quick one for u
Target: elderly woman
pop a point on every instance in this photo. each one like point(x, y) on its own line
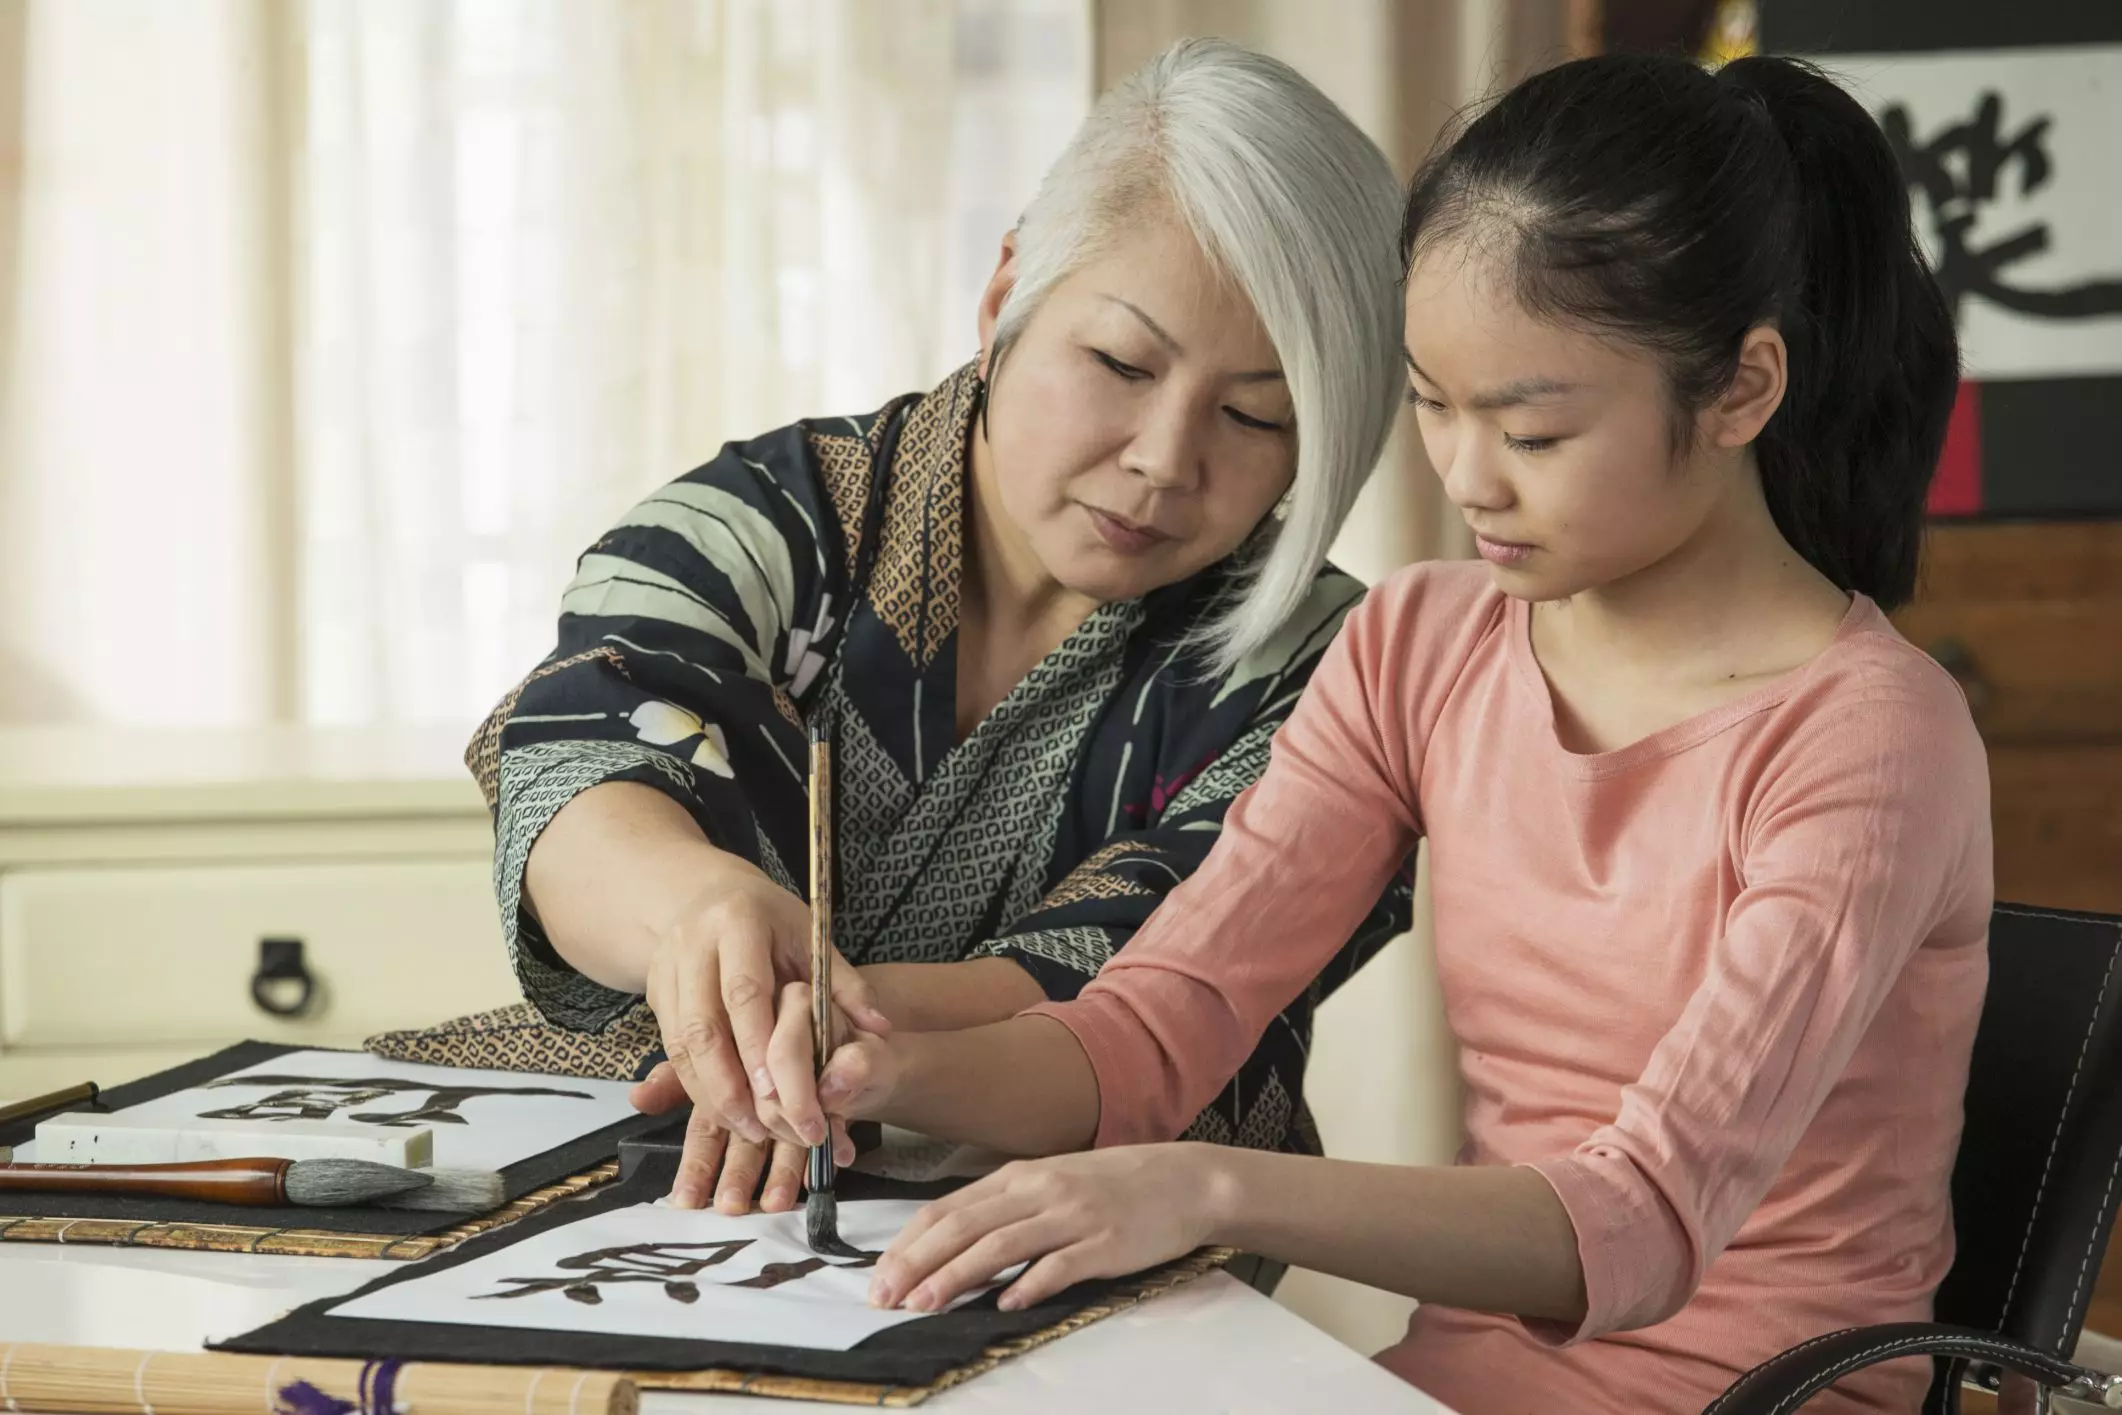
point(1057, 607)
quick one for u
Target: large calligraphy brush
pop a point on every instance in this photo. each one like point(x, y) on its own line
point(268, 1183)
point(821, 1210)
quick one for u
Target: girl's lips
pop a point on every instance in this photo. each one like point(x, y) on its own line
point(1502, 552)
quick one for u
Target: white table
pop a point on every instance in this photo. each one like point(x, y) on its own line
point(1216, 1345)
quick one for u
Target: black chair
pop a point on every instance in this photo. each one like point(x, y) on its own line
point(2034, 1189)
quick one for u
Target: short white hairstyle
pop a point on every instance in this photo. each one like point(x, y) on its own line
point(1301, 212)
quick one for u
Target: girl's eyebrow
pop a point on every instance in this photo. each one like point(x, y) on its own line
point(1509, 395)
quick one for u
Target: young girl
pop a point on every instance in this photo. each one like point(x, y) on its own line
point(1710, 841)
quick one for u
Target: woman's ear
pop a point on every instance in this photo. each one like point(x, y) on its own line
point(992, 299)
point(1756, 390)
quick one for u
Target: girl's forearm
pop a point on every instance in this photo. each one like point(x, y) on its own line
point(1491, 1238)
point(942, 997)
point(1023, 1087)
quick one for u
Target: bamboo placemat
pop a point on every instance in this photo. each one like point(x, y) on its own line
point(86, 1380)
point(295, 1242)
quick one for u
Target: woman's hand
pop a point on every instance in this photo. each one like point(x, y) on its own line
point(733, 1170)
point(1102, 1214)
point(712, 983)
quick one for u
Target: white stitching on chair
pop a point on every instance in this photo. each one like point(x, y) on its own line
point(2048, 1165)
point(2022, 911)
point(2092, 1234)
point(1870, 1358)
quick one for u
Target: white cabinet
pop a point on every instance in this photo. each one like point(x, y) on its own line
point(152, 885)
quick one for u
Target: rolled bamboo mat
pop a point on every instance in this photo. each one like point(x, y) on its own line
point(84, 1380)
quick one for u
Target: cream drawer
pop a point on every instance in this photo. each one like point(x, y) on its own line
point(148, 957)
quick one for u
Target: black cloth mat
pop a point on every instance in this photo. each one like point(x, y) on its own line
point(523, 1177)
point(914, 1353)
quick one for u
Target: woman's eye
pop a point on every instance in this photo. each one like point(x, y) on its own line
point(1427, 405)
point(1529, 444)
point(1258, 424)
point(1126, 371)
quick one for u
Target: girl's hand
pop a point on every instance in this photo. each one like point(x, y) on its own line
point(858, 1079)
point(1102, 1214)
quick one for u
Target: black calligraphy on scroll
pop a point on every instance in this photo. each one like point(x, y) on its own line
point(321, 1098)
point(673, 1265)
point(1960, 168)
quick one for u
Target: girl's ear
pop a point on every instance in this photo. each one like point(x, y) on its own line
point(1756, 390)
point(992, 299)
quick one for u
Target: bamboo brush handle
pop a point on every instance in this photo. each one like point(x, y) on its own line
point(821, 896)
point(260, 1182)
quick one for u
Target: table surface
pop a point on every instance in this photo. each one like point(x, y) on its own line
point(1216, 1345)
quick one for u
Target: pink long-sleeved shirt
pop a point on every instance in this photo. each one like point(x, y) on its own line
point(1718, 986)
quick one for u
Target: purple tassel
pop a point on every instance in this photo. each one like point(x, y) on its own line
point(378, 1388)
point(302, 1398)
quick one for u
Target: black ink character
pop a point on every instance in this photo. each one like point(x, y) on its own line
point(319, 1098)
point(1958, 170)
point(661, 1263)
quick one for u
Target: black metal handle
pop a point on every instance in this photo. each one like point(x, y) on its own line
point(283, 985)
point(1781, 1384)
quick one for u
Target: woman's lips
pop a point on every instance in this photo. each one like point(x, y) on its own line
point(1124, 535)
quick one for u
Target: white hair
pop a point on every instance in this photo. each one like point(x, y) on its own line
point(1301, 212)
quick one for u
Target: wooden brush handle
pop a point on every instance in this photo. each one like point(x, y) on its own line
point(261, 1183)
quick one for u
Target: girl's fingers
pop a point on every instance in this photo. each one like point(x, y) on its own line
point(1056, 1272)
point(742, 1164)
point(917, 1256)
point(853, 995)
point(843, 1145)
point(784, 1177)
point(986, 1258)
point(705, 1142)
point(790, 1057)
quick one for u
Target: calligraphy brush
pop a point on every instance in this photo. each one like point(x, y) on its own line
point(821, 1210)
point(83, 1094)
point(269, 1183)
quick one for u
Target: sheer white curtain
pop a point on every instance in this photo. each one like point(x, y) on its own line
point(340, 327)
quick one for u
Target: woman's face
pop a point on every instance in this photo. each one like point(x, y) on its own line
point(1140, 428)
point(1556, 445)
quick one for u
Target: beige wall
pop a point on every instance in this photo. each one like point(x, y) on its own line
point(1383, 1077)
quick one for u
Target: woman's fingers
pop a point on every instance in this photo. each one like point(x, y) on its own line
point(696, 1038)
point(784, 1178)
point(705, 1142)
point(742, 1165)
point(746, 964)
point(658, 1093)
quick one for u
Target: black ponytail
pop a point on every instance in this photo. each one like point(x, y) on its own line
point(1646, 197)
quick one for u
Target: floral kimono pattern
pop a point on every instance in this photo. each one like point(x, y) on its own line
point(818, 566)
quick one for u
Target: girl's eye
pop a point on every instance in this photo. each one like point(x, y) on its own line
point(1257, 424)
point(1126, 371)
point(1427, 405)
point(1529, 444)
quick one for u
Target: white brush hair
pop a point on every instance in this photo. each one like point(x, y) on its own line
point(1301, 212)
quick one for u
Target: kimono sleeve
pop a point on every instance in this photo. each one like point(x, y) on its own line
point(1190, 785)
point(688, 635)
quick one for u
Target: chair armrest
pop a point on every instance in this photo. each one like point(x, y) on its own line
point(1781, 1384)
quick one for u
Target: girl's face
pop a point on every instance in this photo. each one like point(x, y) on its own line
point(1140, 428)
point(1556, 445)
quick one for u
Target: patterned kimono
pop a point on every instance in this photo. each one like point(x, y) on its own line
point(819, 565)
